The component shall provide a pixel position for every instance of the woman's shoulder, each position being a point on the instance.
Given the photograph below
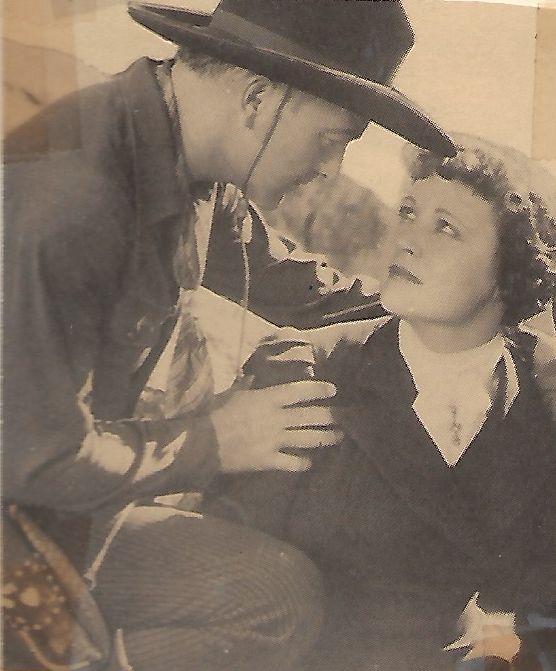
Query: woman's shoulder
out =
(350, 354)
(544, 369)
(534, 353)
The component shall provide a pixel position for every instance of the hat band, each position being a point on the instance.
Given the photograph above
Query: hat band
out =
(231, 25)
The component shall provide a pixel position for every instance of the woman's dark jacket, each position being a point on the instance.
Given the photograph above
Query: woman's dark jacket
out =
(404, 541)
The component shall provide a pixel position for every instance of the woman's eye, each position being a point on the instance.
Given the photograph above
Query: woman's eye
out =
(447, 228)
(407, 212)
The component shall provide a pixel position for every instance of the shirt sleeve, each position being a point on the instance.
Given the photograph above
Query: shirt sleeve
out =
(62, 272)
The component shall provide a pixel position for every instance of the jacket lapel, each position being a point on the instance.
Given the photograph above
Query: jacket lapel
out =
(379, 417)
(142, 315)
(510, 462)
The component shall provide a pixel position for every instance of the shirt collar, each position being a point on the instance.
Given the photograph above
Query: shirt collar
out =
(430, 368)
(152, 143)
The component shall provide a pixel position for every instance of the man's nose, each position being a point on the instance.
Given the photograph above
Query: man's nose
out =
(330, 168)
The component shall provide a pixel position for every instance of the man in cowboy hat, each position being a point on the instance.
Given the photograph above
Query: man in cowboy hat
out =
(109, 401)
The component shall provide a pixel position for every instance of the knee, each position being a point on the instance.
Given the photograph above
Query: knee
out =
(291, 588)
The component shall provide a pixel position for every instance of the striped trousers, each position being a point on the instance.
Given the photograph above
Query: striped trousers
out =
(202, 594)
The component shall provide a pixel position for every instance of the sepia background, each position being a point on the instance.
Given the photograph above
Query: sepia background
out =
(476, 67)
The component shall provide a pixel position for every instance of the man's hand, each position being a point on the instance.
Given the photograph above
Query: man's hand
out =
(253, 426)
(279, 360)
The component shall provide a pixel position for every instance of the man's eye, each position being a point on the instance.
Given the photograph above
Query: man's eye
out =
(407, 212)
(328, 141)
(447, 228)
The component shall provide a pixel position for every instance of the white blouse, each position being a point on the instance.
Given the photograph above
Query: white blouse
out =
(455, 391)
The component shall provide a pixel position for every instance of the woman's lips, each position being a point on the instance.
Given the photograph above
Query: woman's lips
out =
(400, 271)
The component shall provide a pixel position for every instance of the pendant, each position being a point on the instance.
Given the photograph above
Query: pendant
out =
(455, 426)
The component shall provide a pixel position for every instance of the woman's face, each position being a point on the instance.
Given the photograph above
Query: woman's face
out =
(444, 267)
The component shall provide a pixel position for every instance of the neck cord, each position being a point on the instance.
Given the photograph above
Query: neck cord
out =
(243, 241)
(165, 79)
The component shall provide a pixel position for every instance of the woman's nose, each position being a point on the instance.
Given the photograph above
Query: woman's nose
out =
(408, 241)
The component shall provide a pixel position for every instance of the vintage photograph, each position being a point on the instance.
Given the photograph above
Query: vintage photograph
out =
(279, 335)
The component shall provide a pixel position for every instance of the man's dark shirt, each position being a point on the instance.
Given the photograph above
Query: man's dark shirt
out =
(92, 206)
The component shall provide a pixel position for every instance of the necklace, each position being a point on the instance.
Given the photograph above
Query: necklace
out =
(455, 426)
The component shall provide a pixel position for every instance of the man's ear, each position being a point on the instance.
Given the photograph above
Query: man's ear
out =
(254, 95)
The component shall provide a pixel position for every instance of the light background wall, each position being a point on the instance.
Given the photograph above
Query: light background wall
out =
(472, 67)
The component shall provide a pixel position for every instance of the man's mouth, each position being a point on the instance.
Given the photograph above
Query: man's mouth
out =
(306, 179)
(404, 274)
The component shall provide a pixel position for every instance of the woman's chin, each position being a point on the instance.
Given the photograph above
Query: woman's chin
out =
(395, 302)
(403, 309)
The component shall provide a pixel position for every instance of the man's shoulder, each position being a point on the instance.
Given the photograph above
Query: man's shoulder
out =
(62, 126)
(71, 162)
(60, 193)
(87, 120)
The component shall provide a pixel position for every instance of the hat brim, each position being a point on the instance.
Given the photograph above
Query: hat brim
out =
(375, 102)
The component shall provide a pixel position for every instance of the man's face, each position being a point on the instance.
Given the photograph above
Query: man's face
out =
(309, 141)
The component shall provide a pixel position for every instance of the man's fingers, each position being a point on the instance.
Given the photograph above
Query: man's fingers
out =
(291, 463)
(295, 352)
(308, 439)
(282, 352)
(305, 391)
(308, 416)
(273, 345)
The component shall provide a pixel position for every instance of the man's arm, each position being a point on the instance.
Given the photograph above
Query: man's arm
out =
(68, 244)
(58, 454)
(64, 257)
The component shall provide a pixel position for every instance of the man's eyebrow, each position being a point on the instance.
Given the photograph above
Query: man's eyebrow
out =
(349, 131)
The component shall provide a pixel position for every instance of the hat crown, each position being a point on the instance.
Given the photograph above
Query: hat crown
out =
(369, 38)
(343, 51)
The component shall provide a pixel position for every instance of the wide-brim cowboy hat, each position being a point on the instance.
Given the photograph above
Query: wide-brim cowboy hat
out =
(343, 51)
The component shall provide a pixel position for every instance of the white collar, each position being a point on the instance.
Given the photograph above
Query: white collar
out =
(455, 391)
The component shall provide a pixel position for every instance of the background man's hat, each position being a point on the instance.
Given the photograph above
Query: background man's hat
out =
(343, 51)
